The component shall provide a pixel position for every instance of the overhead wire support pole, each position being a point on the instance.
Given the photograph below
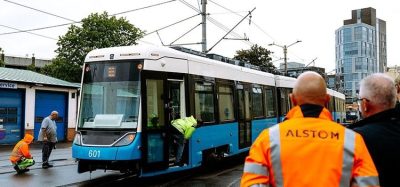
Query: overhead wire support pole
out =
(284, 47)
(204, 26)
(231, 30)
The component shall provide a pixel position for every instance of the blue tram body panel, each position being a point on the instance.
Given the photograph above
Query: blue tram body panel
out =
(259, 125)
(128, 152)
(213, 136)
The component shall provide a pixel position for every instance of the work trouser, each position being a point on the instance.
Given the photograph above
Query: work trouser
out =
(180, 141)
(46, 151)
(24, 163)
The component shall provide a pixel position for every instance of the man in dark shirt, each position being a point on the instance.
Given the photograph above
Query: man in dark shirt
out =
(380, 127)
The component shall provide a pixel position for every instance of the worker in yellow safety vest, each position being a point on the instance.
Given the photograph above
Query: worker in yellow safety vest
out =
(308, 148)
(183, 130)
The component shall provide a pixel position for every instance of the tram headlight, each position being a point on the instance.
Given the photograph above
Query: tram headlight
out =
(77, 139)
(126, 140)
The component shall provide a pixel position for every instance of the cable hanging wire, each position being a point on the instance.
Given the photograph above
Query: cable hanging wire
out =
(171, 24)
(257, 26)
(48, 37)
(216, 23)
(150, 6)
(185, 33)
(230, 30)
(60, 25)
(226, 29)
(42, 11)
(261, 29)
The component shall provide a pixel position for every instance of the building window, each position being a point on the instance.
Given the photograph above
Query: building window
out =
(358, 33)
(347, 35)
(358, 64)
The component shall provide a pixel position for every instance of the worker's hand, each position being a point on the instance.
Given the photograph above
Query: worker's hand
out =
(45, 139)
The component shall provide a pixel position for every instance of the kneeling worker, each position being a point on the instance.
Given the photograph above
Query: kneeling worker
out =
(20, 157)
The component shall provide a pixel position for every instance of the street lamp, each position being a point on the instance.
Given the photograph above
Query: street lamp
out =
(284, 47)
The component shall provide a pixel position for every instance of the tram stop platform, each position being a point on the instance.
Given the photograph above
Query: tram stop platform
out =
(60, 156)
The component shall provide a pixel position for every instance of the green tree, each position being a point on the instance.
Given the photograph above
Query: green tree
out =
(259, 56)
(97, 31)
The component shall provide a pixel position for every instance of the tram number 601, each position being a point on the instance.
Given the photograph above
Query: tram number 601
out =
(94, 153)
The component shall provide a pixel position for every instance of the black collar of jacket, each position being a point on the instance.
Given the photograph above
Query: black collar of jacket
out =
(311, 110)
(381, 116)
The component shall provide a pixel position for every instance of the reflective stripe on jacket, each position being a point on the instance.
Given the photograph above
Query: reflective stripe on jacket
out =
(309, 149)
(21, 149)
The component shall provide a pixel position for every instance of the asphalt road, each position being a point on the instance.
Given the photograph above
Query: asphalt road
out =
(64, 173)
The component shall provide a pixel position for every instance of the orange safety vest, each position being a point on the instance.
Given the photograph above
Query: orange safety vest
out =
(21, 149)
(309, 149)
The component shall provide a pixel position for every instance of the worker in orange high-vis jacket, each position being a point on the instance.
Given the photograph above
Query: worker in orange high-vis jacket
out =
(20, 157)
(308, 148)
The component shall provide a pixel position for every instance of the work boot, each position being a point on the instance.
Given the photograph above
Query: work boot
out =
(23, 171)
(17, 168)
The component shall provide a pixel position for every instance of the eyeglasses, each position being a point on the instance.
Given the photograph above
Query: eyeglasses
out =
(360, 99)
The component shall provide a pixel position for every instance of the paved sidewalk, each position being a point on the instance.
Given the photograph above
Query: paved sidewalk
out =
(62, 155)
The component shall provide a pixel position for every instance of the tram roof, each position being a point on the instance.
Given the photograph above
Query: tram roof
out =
(196, 64)
(26, 76)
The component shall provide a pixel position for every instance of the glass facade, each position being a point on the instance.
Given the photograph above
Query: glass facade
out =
(355, 55)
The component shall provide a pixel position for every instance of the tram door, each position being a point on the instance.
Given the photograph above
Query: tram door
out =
(243, 95)
(176, 110)
(162, 102)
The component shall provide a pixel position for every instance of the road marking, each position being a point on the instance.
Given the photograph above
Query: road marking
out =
(234, 182)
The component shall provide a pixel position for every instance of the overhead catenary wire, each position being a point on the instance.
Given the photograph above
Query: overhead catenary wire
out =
(182, 20)
(261, 29)
(65, 24)
(255, 24)
(42, 11)
(216, 23)
(190, 30)
(48, 37)
(149, 6)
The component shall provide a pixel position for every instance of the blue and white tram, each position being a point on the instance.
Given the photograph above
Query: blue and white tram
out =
(129, 95)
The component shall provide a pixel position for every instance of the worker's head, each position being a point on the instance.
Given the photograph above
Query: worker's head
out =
(28, 138)
(54, 115)
(310, 88)
(377, 94)
(397, 82)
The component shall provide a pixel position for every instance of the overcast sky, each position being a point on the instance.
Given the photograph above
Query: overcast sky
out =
(283, 22)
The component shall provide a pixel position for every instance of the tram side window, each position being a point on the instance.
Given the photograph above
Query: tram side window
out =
(204, 102)
(330, 104)
(270, 110)
(225, 103)
(155, 104)
(285, 103)
(257, 103)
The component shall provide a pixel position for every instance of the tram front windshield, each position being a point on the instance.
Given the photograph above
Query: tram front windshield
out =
(110, 95)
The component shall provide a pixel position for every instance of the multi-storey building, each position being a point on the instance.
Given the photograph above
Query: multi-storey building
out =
(360, 49)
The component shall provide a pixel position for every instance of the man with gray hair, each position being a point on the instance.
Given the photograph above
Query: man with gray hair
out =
(380, 127)
(48, 136)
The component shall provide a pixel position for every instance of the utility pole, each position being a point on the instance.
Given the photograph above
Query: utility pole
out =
(204, 26)
(284, 47)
